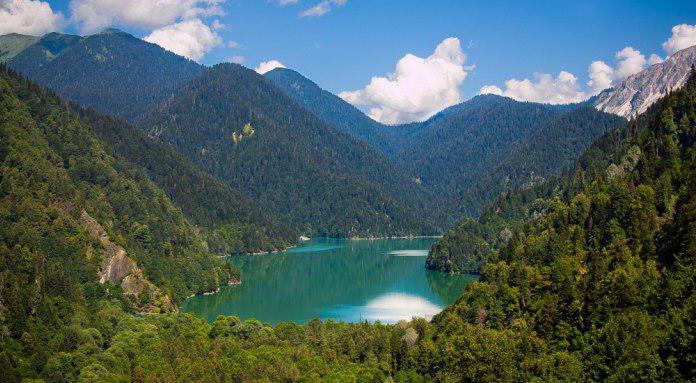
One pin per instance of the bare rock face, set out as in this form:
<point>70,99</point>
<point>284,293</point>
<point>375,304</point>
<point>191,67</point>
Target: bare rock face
<point>635,95</point>
<point>119,269</point>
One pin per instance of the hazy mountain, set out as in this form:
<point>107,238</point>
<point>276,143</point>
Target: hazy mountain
<point>111,71</point>
<point>639,91</point>
<point>13,43</point>
<point>241,128</point>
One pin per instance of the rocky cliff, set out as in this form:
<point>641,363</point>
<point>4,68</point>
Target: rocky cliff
<point>642,89</point>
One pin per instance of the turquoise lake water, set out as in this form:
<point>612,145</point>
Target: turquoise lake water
<point>345,280</point>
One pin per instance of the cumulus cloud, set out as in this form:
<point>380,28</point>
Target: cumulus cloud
<point>29,17</point>
<point>190,38</point>
<point>630,61</point>
<point>565,88</point>
<point>601,77</point>
<point>561,89</point>
<point>683,36</point>
<point>418,88</point>
<point>268,66</point>
<point>93,15</point>
<point>322,8</point>
<point>491,89</point>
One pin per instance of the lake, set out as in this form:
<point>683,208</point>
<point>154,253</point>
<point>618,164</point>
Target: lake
<point>344,280</point>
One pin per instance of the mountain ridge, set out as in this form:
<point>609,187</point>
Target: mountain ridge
<point>639,91</point>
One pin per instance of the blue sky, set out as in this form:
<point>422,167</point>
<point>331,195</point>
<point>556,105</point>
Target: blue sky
<point>345,47</point>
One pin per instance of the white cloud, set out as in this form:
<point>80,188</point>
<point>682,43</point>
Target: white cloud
<point>29,17</point>
<point>565,88</point>
<point>93,15</point>
<point>545,88</point>
<point>286,2</point>
<point>631,62</point>
<point>190,38</point>
<point>601,77</point>
<point>491,89</point>
<point>232,44</point>
<point>418,88</point>
<point>655,59</point>
<point>219,26</point>
<point>683,36</point>
<point>236,59</point>
<point>268,66</point>
<point>322,8</point>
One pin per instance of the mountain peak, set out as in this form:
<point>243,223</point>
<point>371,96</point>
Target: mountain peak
<point>113,31</point>
<point>639,91</point>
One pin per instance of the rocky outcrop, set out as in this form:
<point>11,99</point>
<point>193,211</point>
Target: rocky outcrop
<point>639,91</point>
<point>118,269</point>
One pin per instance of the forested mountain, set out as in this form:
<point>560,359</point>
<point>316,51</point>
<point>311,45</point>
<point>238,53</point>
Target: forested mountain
<point>73,214</point>
<point>599,286</point>
<point>12,44</point>
<point>229,219</point>
<point>111,71</point>
<point>468,153</point>
<point>471,152</point>
<point>241,128</point>
<point>335,110</point>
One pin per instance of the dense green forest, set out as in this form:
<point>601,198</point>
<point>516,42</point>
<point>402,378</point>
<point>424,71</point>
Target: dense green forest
<point>338,113</point>
<point>239,127</point>
<point>111,71</point>
<point>469,153</point>
<point>229,219</point>
<point>598,286</point>
<point>418,178</point>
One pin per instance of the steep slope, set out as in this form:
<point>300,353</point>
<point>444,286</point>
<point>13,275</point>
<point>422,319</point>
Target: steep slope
<point>238,126</point>
<point>606,275</point>
<point>85,215</point>
<point>112,71</point>
<point>12,44</point>
<point>229,219</point>
<point>467,154</point>
<point>639,91</point>
<point>334,110</point>
<point>471,152</point>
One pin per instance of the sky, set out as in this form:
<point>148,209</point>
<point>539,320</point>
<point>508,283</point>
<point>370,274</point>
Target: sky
<point>398,60</point>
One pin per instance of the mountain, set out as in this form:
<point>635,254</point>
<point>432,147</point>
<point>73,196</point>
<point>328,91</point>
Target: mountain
<point>639,91</point>
<point>471,152</point>
<point>12,44</point>
<point>244,130</point>
<point>71,213</point>
<point>598,286</point>
<point>334,110</point>
<point>230,221</point>
<point>112,72</point>
<point>468,153</point>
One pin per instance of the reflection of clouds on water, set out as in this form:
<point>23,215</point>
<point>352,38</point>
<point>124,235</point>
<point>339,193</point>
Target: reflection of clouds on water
<point>394,307</point>
<point>409,253</point>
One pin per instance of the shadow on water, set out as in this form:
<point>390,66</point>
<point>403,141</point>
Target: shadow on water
<point>349,280</point>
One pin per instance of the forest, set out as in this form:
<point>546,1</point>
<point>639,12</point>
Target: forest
<point>594,280</point>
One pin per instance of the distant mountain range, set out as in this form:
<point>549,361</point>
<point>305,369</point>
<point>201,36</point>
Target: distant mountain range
<point>303,154</point>
<point>639,91</point>
<point>468,153</point>
<point>112,71</point>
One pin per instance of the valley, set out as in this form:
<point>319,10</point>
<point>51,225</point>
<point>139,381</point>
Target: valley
<point>164,220</point>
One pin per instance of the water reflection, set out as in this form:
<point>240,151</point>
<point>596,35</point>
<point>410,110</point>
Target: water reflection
<point>335,279</point>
